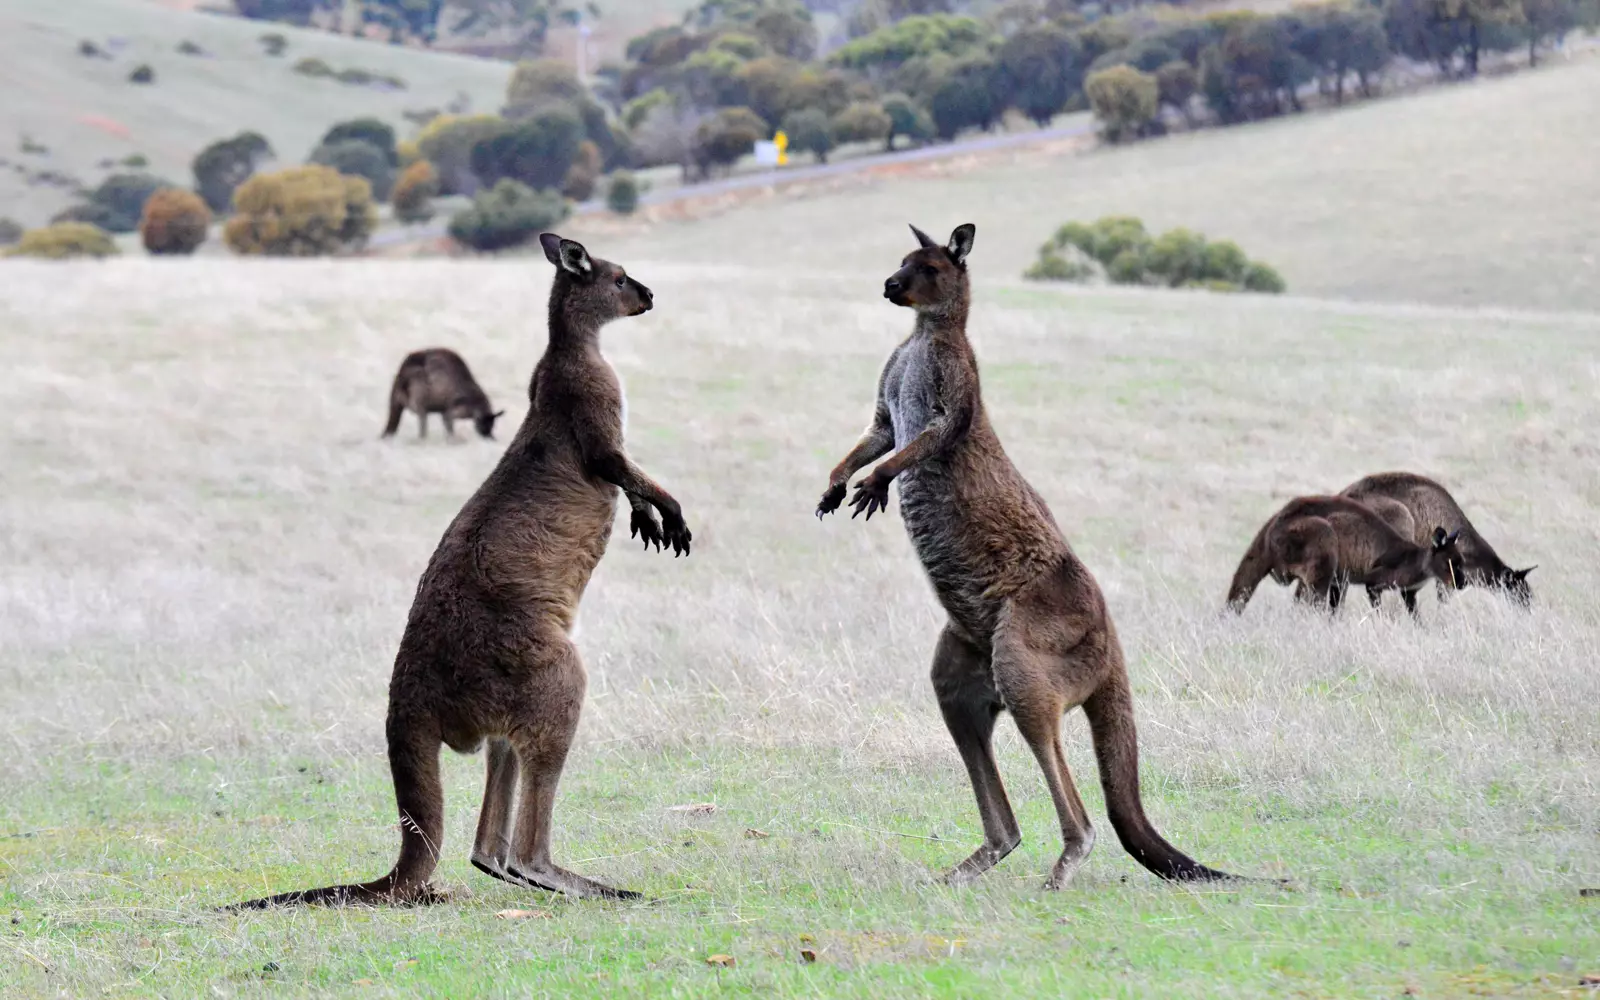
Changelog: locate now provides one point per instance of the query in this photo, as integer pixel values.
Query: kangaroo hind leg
(491, 851)
(969, 702)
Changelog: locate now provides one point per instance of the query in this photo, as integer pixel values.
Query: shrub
(1124, 99)
(1127, 268)
(1038, 70)
(1066, 263)
(538, 152)
(964, 97)
(447, 142)
(579, 183)
(10, 231)
(369, 130)
(300, 212)
(135, 161)
(116, 204)
(1113, 235)
(728, 135)
(622, 196)
(174, 222)
(1177, 257)
(1224, 261)
(355, 76)
(1258, 277)
(808, 130)
(317, 69)
(273, 43)
(142, 73)
(63, 240)
(407, 153)
(506, 215)
(223, 166)
(89, 50)
(414, 192)
(863, 121)
(188, 48)
(1176, 84)
(358, 158)
(906, 118)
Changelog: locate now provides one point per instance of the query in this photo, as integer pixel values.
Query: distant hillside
(76, 111)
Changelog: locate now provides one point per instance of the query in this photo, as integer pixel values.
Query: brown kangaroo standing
(486, 654)
(436, 380)
(1324, 544)
(1028, 630)
(1428, 503)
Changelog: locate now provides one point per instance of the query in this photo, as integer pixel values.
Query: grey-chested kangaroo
(436, 380)
(1324, 544)
(1028, 630)
(1429, 505)
(486, 654)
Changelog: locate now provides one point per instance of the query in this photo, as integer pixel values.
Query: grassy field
(1475, 194)
(209, 555)
(84, 110)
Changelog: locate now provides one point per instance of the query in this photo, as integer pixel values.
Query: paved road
(789, 175)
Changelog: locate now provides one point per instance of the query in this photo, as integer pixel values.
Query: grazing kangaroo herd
(487, 659)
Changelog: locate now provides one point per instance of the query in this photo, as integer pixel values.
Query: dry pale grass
(207, 548)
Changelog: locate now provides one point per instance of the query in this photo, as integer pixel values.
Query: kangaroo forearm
(938, 437)
(616, 469)
(874, 444)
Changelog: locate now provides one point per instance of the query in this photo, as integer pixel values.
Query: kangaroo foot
(1072, 858)
(492, 866)
(553, 878)
(983, 859)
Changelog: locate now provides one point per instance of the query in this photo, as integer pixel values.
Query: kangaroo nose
(891, 287)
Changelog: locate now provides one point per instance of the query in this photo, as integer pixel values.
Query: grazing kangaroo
(1324, 544)
(436, 380)
(1428, 503)
(1028, 630)
(486, 654)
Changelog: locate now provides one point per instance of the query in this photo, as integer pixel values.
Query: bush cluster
(300, 212)
(507, 215)
(1122, 250)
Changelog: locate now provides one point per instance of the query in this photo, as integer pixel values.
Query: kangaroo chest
(911, 390)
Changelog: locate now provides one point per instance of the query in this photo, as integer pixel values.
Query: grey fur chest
(911, 389)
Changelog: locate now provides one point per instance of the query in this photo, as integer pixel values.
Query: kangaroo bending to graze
(486, 655)
(1324, 544)
(436, 380)
(1028, 630)
(1430, 504)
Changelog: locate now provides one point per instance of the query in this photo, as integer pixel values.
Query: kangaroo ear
(1451, 538)
(568, 255)
(498, 413)
(1522, 574)
(1438, 537)
(961, 241)
(923, 238)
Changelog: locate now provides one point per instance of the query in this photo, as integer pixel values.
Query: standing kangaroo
(1324, 544)
(486, 654)
(1028, 630)
(1428, 503)
(436, 380)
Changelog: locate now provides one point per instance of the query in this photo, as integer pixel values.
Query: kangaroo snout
(892, 287)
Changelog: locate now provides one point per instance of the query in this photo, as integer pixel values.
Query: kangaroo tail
(414, 763)
(1116, 747)
(397, 405)
(1253, 568)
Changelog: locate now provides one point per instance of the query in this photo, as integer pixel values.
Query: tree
(1176, 85)
(174, 222)
(300, 212)
(863, 121)
(622, 195)
(1339, 38)
(223, 166)
(447, 143)
(1553, 19)
(787, 30)
(358, 158)
(730, 134)
(922, 35)
(1038, 70)
(415, 191)
(667, 133)
(906, 118)
(538, 152)
(808, 130)
(769, 86)
(1124, 99)
(965, 97)
(1252, 69)
(524, 22)
(506, 215)
(369, 130)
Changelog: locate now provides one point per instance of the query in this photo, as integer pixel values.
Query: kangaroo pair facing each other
(1324, 544)
(486, 655)
(436, 380)
(1028, 630)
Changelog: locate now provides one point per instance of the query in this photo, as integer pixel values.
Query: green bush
(863, 121)
(143, 73)
(537, 152)
(273, 43)
(730, 134)
(447, 143)
(188, 48)
(174, 222)
(116, 204)
(358, 158)
(369, 130)
(1124, 99)
(622, 196)
(300, 212)
(63, 240)
(317, 69)
(809, 131)
(1178, 258)
(223, 166)
(906, 118)
(1258, 277)
(507, 215)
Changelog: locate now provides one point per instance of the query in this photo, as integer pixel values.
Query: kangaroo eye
(929, 271)
(622, 279)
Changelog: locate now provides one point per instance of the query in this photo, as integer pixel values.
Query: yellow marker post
(781, 140)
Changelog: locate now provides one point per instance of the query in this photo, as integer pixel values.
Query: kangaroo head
(1444, 559)
(484, 422)
(932, 277)
(1515, 583)
(591, 290)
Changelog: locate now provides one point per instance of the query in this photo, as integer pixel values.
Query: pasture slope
(84, 110)
(209, 556)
